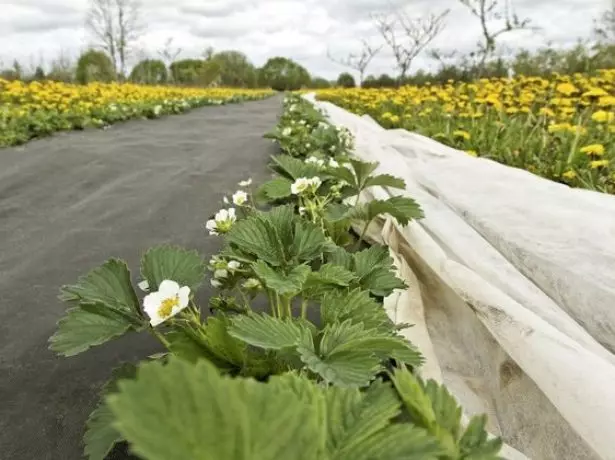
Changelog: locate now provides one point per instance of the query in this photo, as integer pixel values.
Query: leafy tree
(94, 66)
(319, 83)
(150, 71)
(235, 69)
(283, 74)
(195, 72)
(39, 74)
(346, 80)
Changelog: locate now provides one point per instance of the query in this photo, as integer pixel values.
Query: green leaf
(101, 435)
(282, 219)
(414, 398)
(294, 168)
(474, 443)
(400, 441)
(374, 266)
(362, 171)
(447, 411)
(309, 242)
(334, 274)
(277, 188)
(357, 306)
(336, 212)
(339, 256)
(284, 284)
(345, 369)
(266, 331)
(258, 237)
(344, 174)
(166, 262)
(107, 285)
(83, 328)
(182, 411)
(212, 342)
(403, 209)
(385, 180)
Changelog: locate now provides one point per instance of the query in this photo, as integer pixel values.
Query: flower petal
(184, 297)
(168, 288)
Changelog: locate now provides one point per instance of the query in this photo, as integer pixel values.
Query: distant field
(30, 110)
(562, 128)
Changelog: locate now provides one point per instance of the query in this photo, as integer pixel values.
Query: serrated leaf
(182, 411)
(267, 332)
(334, 274)
(277, 188)
(309, 242)
(446, 409)
(344, 174)
(403, 209)
(166, 262)
(374, 267)
(385, 180)
(294, 168)
(284, 284)
(339, 256)
(474, 443)
(362, 170)
(357, 306)
(108, 285)
(212, 342)
(258, 237)
(414, 398)
(336, 212)
(282, 219)
(400, 441)
(101, 435)
(81, 329)
(345, 369)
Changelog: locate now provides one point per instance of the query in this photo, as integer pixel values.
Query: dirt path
(69, 202)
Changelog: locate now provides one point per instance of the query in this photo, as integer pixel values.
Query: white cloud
(33, 30)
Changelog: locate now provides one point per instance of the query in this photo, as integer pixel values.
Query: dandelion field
(36, 109)
(560, 128)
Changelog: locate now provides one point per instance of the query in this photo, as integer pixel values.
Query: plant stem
(358, 244)
(161, 338)
(304, 305)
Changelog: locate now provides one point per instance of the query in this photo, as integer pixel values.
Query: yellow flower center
(167, 305)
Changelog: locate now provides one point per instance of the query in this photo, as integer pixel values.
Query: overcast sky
(300, 29)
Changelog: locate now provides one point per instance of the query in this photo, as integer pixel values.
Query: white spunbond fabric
(512, 290)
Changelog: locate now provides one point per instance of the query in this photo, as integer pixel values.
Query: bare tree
(169, 53)
(487, 11)
(604, 27)
(358, 62)
(408, 36)
(116, 26)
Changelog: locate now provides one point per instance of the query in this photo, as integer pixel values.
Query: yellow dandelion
(598, 164)
(602, 116)
(462, 134)
(472, 153)
(593, 149)
(570, 174)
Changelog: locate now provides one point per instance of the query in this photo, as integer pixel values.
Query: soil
(68, 203)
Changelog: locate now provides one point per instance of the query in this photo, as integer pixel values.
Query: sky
(36, 31)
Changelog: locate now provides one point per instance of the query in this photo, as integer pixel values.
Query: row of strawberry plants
(297, 357)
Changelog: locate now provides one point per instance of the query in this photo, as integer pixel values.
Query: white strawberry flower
(300, 186)
(287, 131)
(225, 200)
(221, 273)
(233, 265)
(246, 183)
(167, 302)
(252, 283)
(317, 161)
(215, 283)
(304, 185)
(240, 198)
(222, 221)
(302, 210)
(333, 163)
